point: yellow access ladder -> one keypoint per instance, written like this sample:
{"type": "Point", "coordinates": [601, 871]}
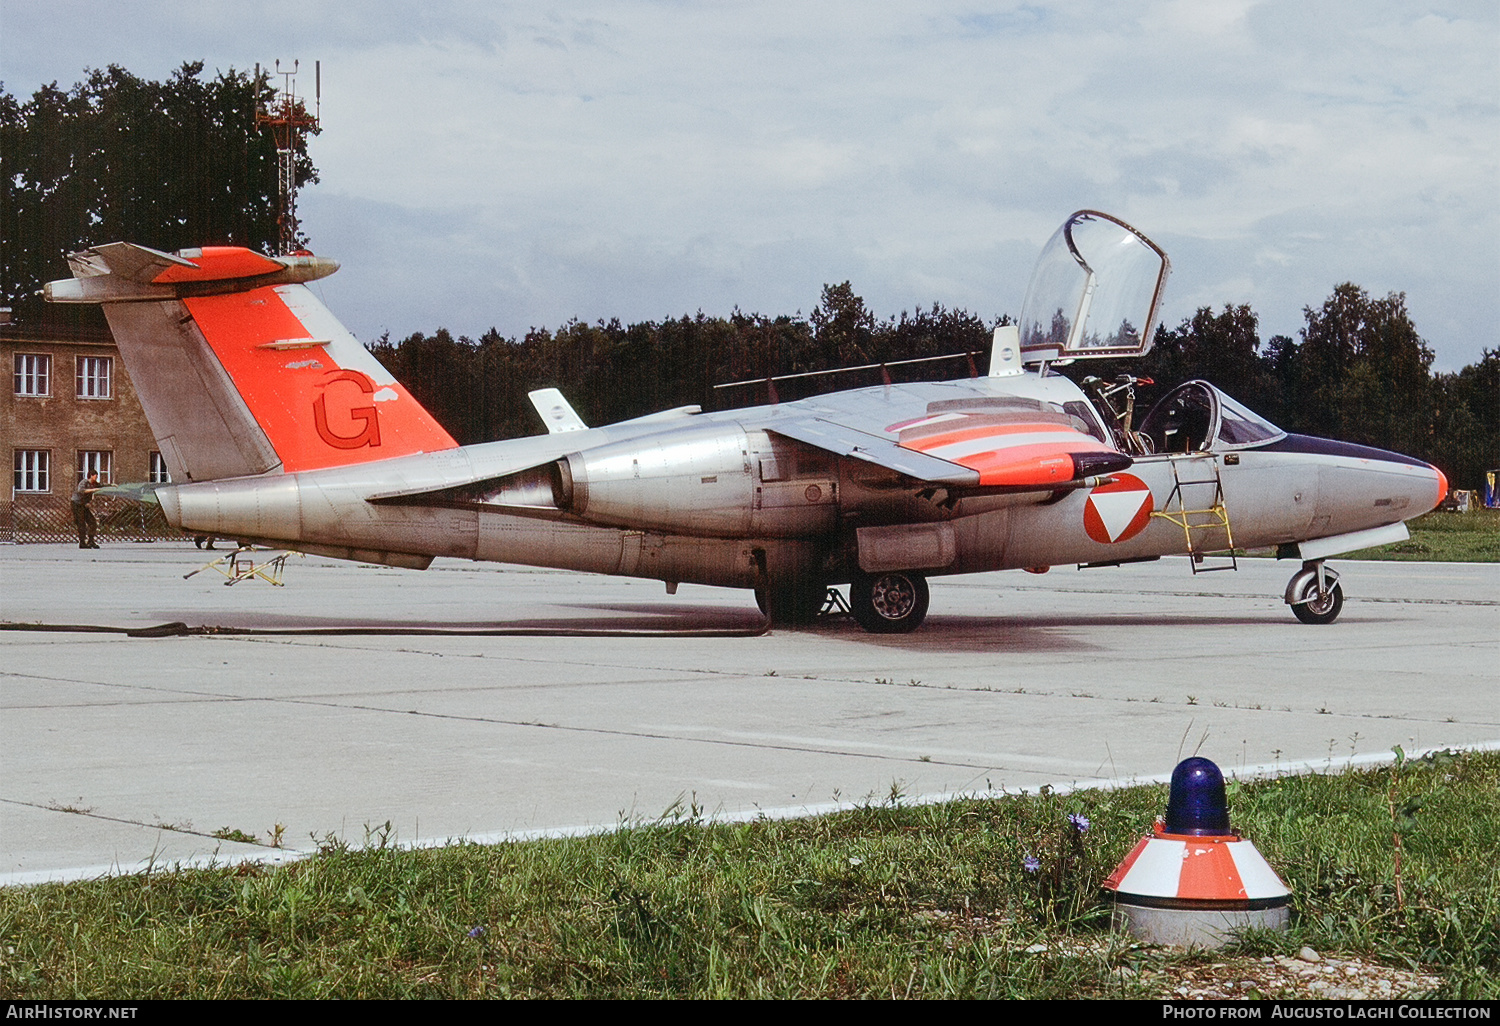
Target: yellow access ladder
{"type": "Point", "coordinates": [1194, 518]}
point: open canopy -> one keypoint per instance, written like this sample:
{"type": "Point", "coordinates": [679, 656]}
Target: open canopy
{"type": "Point", "coordinates": [1095, 291]}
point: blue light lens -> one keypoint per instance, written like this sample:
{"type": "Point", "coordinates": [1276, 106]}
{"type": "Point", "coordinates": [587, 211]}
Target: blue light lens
{"type": "Point", "coordinates": [1197, 804]}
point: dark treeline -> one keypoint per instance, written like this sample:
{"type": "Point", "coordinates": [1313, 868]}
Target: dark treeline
{"type": "Point", "coordinates": [1358, 371]}
{"type": "Point", "coordinates": [477, 387]}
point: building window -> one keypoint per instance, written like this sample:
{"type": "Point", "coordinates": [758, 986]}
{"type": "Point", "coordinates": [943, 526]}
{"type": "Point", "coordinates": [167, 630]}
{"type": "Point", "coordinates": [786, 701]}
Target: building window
{"type": "Point", "coordinates": [96, 461]}
{"type": "Point", "coordinates": [94, 373]}
{"type": "Point", "coordinates": [33, 468]}
{"type": "Point", "coordinates": [159, 472]}
{"type": "Point", "coordinates": [33, 374]}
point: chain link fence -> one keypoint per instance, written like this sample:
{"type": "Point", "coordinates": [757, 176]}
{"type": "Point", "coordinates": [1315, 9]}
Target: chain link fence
{"type": "Point", "coordinates": [50, 519]}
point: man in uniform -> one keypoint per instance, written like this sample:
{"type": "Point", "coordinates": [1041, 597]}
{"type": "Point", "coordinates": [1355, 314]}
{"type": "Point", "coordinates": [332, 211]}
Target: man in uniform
{"type": "Point", "coordinates": [83, 517]}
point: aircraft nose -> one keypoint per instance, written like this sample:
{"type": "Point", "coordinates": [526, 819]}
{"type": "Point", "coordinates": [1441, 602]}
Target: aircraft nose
{"type": "Point", "coordinates": [1442, 486]}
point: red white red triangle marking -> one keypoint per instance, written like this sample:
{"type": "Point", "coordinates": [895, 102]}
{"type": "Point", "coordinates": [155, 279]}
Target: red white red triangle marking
{"type": "Point", "coordinates": [1118, 511]}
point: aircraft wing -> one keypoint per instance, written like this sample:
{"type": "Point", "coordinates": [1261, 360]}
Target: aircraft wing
{"type": "Point", "coordinates": [979, 440]}
{"type": "Point", "coordinates": [878, 449]}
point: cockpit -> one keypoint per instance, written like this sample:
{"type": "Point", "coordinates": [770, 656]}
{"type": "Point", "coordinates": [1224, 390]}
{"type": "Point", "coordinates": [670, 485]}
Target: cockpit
{"type": "Point", "coordinates": [1193, 417]}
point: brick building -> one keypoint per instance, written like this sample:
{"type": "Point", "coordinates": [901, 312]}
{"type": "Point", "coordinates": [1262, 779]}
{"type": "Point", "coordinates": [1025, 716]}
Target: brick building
{"type": "Point", "coordinates": [70, 408]}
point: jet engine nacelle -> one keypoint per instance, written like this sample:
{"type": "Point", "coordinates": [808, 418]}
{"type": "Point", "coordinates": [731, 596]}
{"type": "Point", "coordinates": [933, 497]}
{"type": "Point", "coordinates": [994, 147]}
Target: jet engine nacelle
{"type": "Point", "coordinates": [714, 480]}
{"type": "Point", "coordinates": [695, 481]}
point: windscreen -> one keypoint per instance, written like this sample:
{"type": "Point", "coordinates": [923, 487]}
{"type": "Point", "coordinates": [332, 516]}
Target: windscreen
{"type": "Point", "coordinates": [1094, 292]}
{"type": "Point", "coordinates": [1197, 417]}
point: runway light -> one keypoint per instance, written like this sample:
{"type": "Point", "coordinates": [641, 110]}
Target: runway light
{"type": "Point", "coordinates": [1197, 805]}
{"type": "Point", "coordinates": [1193, 882]}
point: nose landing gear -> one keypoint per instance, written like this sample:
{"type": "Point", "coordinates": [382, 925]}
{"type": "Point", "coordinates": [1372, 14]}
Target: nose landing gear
{"type": "Point", "coordinates": [1314, 593]}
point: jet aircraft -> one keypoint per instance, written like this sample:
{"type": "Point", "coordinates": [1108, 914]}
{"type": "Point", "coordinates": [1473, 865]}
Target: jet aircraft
{"type": "Point", "coordinates": [279, 428]}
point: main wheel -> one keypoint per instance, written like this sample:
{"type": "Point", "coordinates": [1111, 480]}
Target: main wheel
{"type": "Point", "coordinates": [889, 603]}
{"type": "Point", "coordinates": [1312, 609]}
{"type": "Point", "coordinates": [791, 605]}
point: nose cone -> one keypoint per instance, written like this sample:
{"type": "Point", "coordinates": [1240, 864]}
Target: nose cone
{"type": "Point", "coordinates": [1442, 487]}
{"type": "Point", "coordinates": [1361, 473]}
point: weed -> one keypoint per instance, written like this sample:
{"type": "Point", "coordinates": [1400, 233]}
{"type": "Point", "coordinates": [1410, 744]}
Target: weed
{"type": "Point", "coordinates": [379, 837]}
{"type": "Point", "coordinates": [235, 834]}
{"type": "Point", "coordinates": [329, 844]}
{"type": "Point", "coordinates": [1059, 868]}
{"type": "Point", "coordinates": [76, 810]}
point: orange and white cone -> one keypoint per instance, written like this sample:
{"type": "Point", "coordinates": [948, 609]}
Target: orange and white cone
{"type": "Point", "coordinates": [1193, 882]}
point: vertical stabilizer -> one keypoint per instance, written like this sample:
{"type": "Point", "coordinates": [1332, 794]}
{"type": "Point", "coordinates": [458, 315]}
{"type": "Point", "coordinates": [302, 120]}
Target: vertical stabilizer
{"type": "Point", "coordinates": [240, 369]}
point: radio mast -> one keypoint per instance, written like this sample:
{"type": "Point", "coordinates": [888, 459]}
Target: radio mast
{"type": "Point", "coordinates": [289, 121]}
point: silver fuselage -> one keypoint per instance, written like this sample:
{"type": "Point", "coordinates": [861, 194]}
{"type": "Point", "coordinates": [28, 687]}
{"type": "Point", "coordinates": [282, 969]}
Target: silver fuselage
{"type": "Point", "coordinates": [724, 499]}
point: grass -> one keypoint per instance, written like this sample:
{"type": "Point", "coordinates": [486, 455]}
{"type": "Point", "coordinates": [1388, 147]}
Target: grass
{"type": "Point", "coordinates": [884, 901]}
{"type": "Point", "coordinates": [1472, 537]}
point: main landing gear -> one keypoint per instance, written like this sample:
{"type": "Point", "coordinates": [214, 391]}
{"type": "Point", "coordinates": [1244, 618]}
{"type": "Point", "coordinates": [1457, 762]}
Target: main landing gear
{"type": "Point", "coordinates": [893, 602]}
{"type": "Point", "coordinates": [1314, 593]}
{"type": "Point", "coordinates": [794, 603]}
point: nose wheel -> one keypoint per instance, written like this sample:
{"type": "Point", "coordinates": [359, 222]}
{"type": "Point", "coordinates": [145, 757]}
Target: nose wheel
{"type": "Point", "coordinates": [1315, 595]}
{"type": "Point", "coordinates": [889, 603]}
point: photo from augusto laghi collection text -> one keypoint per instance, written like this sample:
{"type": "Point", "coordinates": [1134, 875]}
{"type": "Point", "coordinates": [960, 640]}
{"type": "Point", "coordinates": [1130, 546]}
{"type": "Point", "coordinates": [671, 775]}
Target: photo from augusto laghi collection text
{"type": "Point", "coordinates": [1355, 1010]}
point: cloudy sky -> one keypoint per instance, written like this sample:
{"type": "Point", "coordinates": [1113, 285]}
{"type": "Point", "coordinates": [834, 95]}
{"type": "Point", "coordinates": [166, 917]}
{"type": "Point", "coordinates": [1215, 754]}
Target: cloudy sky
{"type": "Point", "coordinates": [511, 164]}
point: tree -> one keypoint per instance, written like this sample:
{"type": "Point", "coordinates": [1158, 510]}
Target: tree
{"type": "Point", "coordinates": [842, 328]}
{"type": "Point", "coordinates": [1223, 348]}
{"type": "Point", "coordinates": [1466, 422]}
{"type": "Point", "coordinates": [169, 165]}
{"type": "Point", "coordinates": [1362, 372]}
{"type": "Point", "coordinates": [936, 331]}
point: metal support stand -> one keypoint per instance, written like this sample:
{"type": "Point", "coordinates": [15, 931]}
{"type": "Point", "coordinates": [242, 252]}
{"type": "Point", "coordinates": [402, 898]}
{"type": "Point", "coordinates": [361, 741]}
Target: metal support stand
{"type": "Point", "coordinates": [240, 565]}
{"type": "Point", "coordinates": [834, 604]}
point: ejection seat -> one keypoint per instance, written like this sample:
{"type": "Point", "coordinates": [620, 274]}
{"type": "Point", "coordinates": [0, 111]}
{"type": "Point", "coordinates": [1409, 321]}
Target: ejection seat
{"type": "Point", "coordinates": [1197, 417]}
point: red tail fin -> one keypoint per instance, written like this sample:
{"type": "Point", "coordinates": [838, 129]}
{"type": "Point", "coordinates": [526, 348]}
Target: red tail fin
{"type": "Point", "coordinates": [241, 370]}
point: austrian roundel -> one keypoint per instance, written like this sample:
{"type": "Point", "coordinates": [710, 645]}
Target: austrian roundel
{"type": "Point", "coordinates": [1119, 510]}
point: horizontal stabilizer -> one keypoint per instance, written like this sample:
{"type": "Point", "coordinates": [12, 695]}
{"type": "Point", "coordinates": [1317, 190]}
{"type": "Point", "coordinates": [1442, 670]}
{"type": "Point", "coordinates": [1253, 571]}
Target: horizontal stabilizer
{"type": "Point", "coordinates": [122, 272]}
